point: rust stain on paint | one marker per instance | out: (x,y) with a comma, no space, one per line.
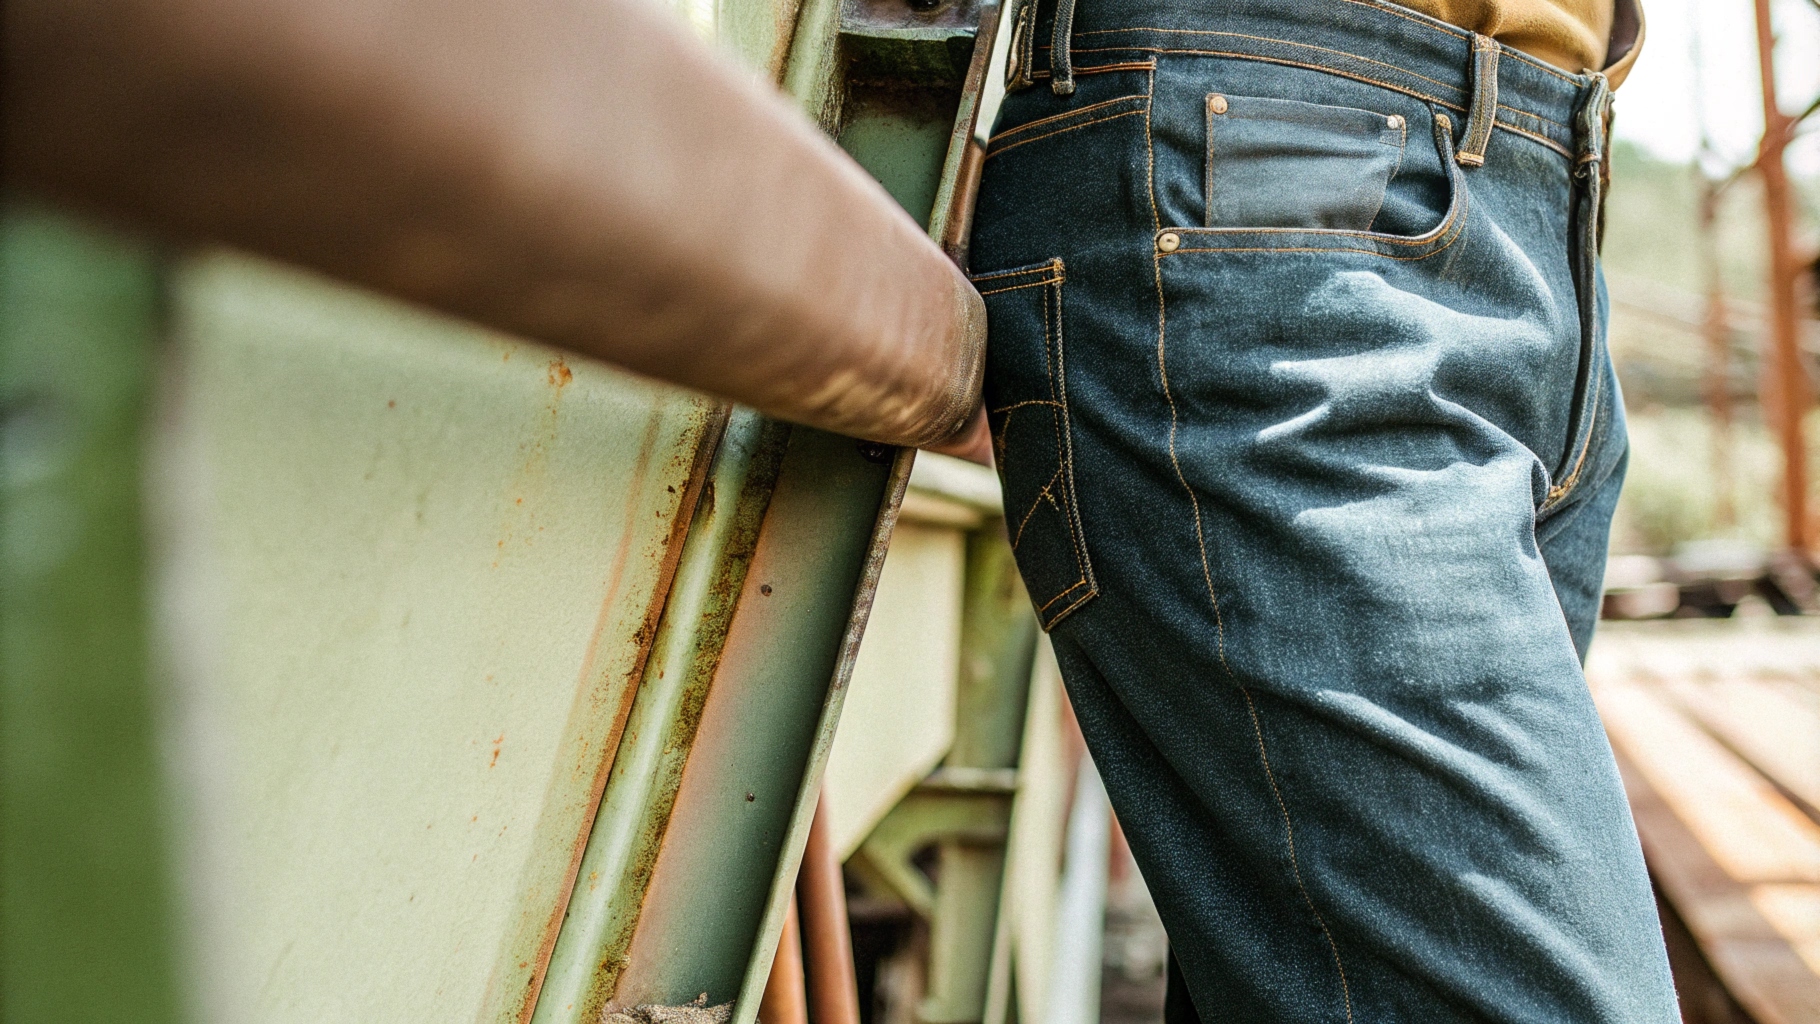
(593,761)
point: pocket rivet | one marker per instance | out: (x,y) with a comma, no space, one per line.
(1168,241)
(1395,121)
(1216,103)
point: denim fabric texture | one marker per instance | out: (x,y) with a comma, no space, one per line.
(1310,446)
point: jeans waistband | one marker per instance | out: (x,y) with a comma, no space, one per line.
(1368,40)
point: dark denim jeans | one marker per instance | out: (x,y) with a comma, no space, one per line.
(1310,444)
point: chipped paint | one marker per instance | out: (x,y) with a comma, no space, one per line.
(593,762)
(654,745)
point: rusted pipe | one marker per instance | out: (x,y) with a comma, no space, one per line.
(784,1001)
(580,172)
(1792,394)
(827,938)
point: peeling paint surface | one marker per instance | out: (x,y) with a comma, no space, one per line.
(760,731)
(418,567)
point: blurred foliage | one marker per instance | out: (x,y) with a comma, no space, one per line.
(1677,483)
(1654,257)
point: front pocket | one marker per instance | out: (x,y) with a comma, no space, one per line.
(1032,438)
(1287,164)
(1067,121)
(1175,242)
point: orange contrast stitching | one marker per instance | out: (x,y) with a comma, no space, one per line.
(1067,114)
(1058,390)
(1156,221)
(1264,39)
(1220,634)
(1015,287)
(1562,489)
(1036,503)
(1455,222)
(1136,65)
(1316,248)
(1084,598)
(1076,585)
(1014,406)
(1355,76)
(1058,131)
(1052,267)
(1162,325)
(1430,24)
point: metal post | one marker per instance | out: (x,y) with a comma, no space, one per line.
(785,1001)
(1074,972)
(1792,393)
(1718,353)
(821,895)
(998,645)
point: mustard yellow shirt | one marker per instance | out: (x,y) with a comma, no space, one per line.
(1576,35)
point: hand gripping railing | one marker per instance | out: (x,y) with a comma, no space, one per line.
(579,172)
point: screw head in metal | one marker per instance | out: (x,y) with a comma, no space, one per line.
(1168,241)
(1216,103)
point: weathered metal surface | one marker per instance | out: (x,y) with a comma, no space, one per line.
(899,717)
(87,929)
(929,42)
(1731,845)
(721,877)
(963,810)
(1022,947)
(416,571)
(899,136)
(695,229)
(899,721)
(735,812)
(759,34)
(660,732)
(821,892)
(806,800)
(996,659)
(918,72)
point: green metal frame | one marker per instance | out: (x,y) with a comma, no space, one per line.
(662,853)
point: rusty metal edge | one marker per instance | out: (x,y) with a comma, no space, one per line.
(689,642)
(951,223)
(647,633)
(758,969)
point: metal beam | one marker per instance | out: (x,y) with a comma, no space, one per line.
(1792,394)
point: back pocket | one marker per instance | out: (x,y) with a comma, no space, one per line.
(1027,404)
(1287,164)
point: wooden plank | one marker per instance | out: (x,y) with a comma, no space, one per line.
(1770,721)
(1738,861)
(1744,823)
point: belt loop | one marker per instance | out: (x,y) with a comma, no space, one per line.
(1592,168)
(1019,62)
(1061,61)
(1484,113)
